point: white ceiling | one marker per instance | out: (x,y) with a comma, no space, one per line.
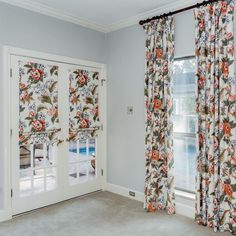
(101,15)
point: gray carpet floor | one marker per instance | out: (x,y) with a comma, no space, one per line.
(102,214)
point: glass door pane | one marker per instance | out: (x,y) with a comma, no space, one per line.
(37,169)
(82,160)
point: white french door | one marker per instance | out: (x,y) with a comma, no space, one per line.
(57,143)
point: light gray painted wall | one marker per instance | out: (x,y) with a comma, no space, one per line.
(184,34)
(126,50)
(29,30)
(125,64)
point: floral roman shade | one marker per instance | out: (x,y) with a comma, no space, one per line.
(159,179)
(84,109)
(216,107)
(38,103)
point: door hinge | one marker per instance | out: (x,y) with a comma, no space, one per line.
(11,72)
(11,193)
(102,81)
(102,172)
(11,132)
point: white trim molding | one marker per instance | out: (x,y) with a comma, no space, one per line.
(63,15)
(113,188)
(148,14)
(52,12)
(184,203)
(185,210)
(5,215)
(185,195)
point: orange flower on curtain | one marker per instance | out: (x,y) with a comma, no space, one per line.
(216,107)
(159,179)
(38,103)
(84,109)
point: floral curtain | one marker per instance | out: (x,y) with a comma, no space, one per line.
(84,110)
(216,107)
(159,180)
(38,103)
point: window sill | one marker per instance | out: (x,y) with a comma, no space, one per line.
(186,195)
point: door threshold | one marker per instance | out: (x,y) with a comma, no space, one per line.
(67,200)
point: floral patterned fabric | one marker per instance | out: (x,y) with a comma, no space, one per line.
(38,103)
(159,180)
(84,111)
(216,107)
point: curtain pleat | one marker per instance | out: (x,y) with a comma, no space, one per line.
(159,179)
(216,108)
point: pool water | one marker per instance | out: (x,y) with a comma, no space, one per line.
(83,150)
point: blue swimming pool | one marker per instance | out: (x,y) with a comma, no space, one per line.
(83,150)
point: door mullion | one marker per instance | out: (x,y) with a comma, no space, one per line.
(45,154)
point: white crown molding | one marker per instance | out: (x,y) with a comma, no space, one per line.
(160,10)
(49,11)
(43,9)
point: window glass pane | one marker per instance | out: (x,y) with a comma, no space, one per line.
(51,179)
(38,178)
(73,174)
(38,154)
(25,157)
(26,182)
(83,148)
(185,154)
(83,171)
(184,119)
(82,160)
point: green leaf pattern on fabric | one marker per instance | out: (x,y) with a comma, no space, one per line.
(159,179)
(38,103)
(216,107)
(84,103)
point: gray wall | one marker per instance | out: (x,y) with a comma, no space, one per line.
(29,30)
(125,64)
(125,60)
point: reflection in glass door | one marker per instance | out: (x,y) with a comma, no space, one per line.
(37,169)
(82,160)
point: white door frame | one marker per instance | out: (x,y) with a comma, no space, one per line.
(6,213)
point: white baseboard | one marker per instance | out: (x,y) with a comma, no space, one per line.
(5,215)
(181,208)
(184,209)
(113,188)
